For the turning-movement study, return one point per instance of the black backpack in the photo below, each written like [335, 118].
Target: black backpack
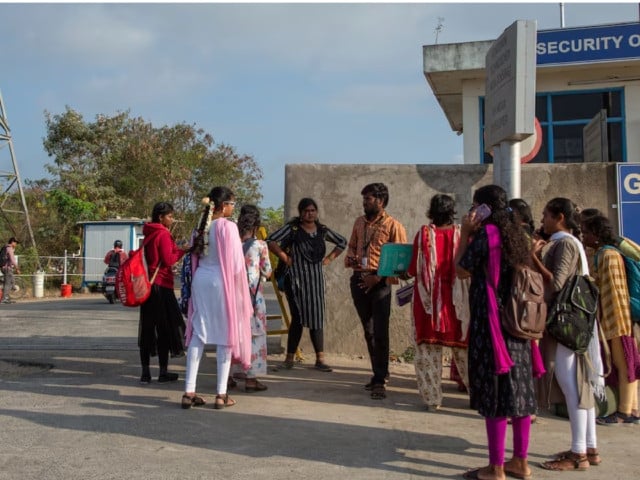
[571, 318]
[114, 260]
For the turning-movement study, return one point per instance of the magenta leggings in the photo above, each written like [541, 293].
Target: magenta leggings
[497, 434]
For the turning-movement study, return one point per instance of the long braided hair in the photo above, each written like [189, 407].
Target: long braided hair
[214, 200]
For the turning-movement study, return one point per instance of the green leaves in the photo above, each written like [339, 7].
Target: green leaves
[119, 166]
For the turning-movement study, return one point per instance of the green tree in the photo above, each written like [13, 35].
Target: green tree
[273, 218]
[121, 166]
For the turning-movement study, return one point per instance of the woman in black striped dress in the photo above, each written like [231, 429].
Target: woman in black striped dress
[300, 243]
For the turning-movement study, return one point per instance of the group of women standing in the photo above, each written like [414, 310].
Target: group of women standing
[226, 306]
[226, 309]
[508, 376]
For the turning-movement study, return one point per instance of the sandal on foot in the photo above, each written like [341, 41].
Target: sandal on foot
[616, 418]
[369, 385]
[223, 401]
[475, 473]
[323, 367]
[592, 456]
[567, 461]
[511, 470]
[378, 392]
[189, 401]
[287, 364]
[254, 385]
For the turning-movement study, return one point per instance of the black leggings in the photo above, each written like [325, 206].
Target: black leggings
[163, 356]
[295, 334]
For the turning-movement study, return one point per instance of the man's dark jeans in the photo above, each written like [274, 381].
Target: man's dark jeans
[374, 309]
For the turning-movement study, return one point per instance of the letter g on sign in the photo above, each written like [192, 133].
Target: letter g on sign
[632, 183]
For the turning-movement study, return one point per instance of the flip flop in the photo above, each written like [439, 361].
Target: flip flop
[472, 474]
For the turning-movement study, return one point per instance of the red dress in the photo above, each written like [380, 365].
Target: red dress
[444, 328]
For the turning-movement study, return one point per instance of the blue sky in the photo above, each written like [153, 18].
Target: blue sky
[286, 83]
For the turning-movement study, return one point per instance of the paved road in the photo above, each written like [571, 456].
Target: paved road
[87, 417]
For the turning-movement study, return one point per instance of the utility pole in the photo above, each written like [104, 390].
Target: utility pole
[13, 209]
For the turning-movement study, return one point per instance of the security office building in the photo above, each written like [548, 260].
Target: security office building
[586, 76]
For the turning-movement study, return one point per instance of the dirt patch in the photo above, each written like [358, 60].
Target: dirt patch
[18, 368]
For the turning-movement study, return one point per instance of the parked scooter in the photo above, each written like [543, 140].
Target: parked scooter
[109, 284]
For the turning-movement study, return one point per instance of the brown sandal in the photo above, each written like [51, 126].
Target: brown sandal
[567, 461]
[223, 401]
[194, 400]
[592, 455]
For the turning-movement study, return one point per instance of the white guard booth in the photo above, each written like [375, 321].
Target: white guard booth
[97, 240]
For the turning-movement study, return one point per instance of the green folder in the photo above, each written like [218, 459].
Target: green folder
[394, 259]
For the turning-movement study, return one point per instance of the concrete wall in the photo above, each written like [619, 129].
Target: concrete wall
[337, 188]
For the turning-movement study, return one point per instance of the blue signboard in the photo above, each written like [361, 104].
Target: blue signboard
[629, 200]
[588, 44]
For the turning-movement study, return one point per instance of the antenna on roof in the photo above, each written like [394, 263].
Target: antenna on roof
[561, 15]
[439, 27]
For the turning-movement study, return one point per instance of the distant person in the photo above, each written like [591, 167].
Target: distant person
[304, 239]
[161, 330]
[9, 267]
[437, 320]
[371, 293]
[220, 307]
[116, 256]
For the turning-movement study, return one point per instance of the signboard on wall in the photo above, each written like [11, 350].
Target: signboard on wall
[588, 44]
[629, 200]
[511, 85]
[595, 144]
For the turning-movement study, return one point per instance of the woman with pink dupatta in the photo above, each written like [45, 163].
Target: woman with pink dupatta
[220, 306]
[500, 366]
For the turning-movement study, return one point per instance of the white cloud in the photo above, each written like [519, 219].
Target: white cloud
[91, 34]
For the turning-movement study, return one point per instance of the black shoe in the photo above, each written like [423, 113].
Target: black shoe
[168, 377]
[145, 379]
[323, 367]
[7, 301]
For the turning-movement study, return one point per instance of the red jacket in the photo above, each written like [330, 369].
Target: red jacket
[161, 249]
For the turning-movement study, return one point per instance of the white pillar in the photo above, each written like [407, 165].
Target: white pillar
[510, 168]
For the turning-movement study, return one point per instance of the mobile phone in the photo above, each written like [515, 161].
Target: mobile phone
[481, 212]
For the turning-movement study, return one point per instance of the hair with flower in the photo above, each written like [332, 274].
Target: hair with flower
[216, 198]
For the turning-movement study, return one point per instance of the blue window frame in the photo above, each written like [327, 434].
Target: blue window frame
[563, 115]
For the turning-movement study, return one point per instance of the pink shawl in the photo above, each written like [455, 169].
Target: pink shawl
[236, 291]
[502, 358]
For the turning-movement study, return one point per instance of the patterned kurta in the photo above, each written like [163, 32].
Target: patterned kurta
[511, 394]
[429, 337]
[258, 265]
[615, 315]
[446, 329]
[305, 283]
